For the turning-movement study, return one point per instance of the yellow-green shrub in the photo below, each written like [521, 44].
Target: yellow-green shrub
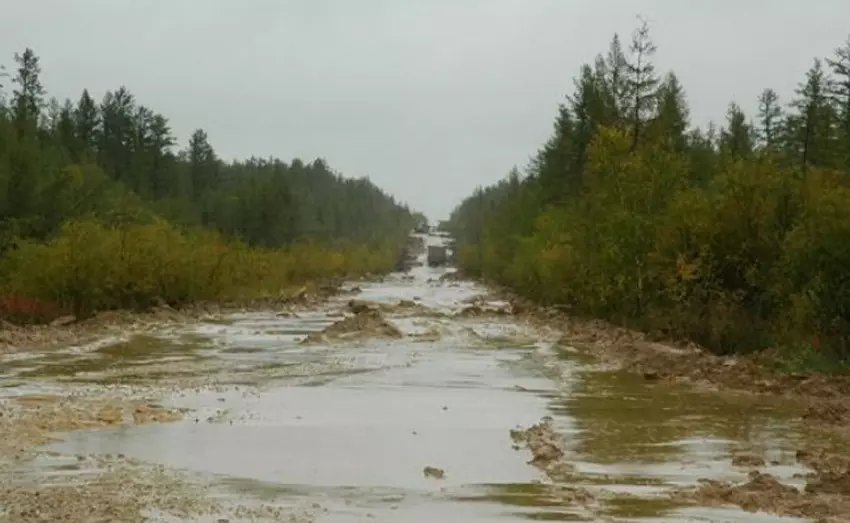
[89, 266]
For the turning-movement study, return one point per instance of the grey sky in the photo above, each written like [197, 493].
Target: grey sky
[429, 98]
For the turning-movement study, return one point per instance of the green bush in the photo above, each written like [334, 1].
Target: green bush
[89, 266]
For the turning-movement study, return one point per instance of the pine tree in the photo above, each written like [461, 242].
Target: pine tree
[617, 69]
[769, 118]
[840, 93]
[115, 149]
[203, 166]
[641, 80]
[28, 96]
[810, 129]
[87, 122]
[66, 132]
[671, 120]
[553, 174]
[736, 139]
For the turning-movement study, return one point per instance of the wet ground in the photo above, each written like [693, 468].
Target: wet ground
[374, 426]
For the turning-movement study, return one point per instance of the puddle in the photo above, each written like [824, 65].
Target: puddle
[352, 426]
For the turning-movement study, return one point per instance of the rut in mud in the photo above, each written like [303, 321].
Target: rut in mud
[415, 398]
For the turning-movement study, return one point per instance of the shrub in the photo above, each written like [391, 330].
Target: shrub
[89, 266]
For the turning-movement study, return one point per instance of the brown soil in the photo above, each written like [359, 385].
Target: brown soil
[823, 401]
[546, 446]
[122, 490]
[28, 422]
[763, 493]
[824, 463]
[366, 322]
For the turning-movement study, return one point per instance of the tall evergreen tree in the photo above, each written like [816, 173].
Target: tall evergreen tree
[736, 139]
[617, 81]
[642, 81]
[672, 116]
[28, 96]
[840, 92]
[769, 118]
[87, 122]
[810, 128]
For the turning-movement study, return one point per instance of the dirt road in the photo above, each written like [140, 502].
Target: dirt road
[412, 403]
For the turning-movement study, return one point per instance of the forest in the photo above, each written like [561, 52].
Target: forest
[100, 210]
[733, 236]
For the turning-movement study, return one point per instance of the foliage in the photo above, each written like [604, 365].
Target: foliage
[89, 266]
[737, 238]
[98, 209]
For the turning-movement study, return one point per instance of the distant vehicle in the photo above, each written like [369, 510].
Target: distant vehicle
[422, 228]
[437, 255]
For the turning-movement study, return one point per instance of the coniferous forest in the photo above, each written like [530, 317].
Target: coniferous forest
[99, 209]
[735, 236]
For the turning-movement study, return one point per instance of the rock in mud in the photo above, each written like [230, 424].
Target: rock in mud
[747, 461]
[434, 473]
[360, 306]
[546, 446]
[472, 311]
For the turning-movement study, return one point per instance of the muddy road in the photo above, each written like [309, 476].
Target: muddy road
[413, 399]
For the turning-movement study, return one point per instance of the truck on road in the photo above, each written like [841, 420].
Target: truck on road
[437, 255]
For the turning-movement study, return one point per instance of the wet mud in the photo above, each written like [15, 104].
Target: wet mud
[420, 396]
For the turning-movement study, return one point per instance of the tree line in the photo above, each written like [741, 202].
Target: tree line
[116, 155]
[736, 236]
[97, 167]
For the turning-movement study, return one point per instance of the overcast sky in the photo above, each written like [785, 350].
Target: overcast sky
[429, 98]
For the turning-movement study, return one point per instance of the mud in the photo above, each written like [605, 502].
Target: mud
[119, 489]
[764, 493]
[546, 447]
[29, 421]
[364, 323]
[748, 461]
[825, 396]
[68, 330]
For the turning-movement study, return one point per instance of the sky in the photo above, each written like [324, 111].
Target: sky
[428, 98]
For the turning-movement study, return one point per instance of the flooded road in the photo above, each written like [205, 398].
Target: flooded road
[411, 422]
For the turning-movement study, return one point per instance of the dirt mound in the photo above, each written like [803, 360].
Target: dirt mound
[368, 322]
[764, 493]
[824, 462]
[365, 323]
[829, 412]
[545, 444]
[830, 483]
